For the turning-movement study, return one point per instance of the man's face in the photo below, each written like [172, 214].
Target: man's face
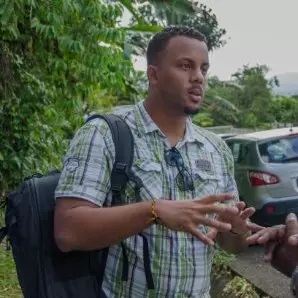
[180, 75]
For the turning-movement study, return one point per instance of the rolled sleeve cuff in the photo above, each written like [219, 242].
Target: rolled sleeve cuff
[87, 193]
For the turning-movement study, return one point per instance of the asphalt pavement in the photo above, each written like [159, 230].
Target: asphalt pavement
[250, 265]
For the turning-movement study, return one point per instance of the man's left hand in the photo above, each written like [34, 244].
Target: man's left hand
[240, 221]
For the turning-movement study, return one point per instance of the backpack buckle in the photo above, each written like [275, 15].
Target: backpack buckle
[120, 168]
[119, 177]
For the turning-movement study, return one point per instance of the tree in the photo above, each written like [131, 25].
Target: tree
[176, 12]
[253, 95]
[58, 60]
[284, 110]
[217, 102]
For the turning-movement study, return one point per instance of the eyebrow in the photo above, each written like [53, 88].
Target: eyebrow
[205, 64]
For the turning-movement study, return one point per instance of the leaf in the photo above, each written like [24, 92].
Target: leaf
[144, 28]
[128, 5]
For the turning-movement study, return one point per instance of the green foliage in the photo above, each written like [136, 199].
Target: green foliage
[254, 96]
[285, 109]
[247, 101]
[221, 263]
[204, 119]
[58, 60]
[224, 111]
[239, 287]
[176, 12]
[9, 286]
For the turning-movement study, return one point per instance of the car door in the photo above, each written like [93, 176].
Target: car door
[240, 153]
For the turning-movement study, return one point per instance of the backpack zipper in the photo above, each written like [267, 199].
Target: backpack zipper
[31, 186]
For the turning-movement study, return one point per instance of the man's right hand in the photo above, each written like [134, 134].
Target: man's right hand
[189, 214]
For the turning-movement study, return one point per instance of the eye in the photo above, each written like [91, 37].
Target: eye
[186, 66]
[204, 70]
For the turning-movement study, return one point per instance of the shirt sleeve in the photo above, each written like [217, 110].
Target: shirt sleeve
[87, 165]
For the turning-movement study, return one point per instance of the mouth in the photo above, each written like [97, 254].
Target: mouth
[196, 94]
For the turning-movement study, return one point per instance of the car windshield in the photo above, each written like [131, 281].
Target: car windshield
[280, 150]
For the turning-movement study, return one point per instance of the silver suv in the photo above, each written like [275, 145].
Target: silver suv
[266, 172]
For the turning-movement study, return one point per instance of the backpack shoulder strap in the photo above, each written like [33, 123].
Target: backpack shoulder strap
[121, 173]
[124, 153]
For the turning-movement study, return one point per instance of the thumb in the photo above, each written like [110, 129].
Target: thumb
[293, 240]
[291, 226]
[269, 249]
[212, 233]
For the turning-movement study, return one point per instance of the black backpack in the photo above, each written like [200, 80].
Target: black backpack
[43, 270]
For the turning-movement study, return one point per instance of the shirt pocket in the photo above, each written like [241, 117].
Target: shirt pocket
[150, 172]
[205, 183]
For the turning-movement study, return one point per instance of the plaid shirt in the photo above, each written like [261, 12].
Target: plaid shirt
[180, 264]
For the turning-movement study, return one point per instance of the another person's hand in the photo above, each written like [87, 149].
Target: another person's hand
[189, 214]
[281, 244]
[285, 255]
[270, 237]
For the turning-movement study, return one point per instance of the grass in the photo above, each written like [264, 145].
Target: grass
[9, 285]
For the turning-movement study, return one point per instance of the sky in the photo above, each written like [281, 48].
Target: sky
[258, 32]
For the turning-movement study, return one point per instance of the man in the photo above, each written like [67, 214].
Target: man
[281, 243]
[189, 195]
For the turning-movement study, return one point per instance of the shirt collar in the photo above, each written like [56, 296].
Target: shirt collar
[192, 134]
[146, 125]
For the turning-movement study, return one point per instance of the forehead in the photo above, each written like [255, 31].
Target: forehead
[186, 47]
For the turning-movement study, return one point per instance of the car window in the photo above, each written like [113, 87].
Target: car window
[239, 151]
[279, 150]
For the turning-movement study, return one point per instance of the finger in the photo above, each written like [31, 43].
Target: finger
[269, 235]
[263, 236]
[198, 234]
[281, 233]
[214, 223]
[253, 239]
[240, 205]
[291, 225]
[269, 249]
[293, 240]
[216, 199]
[212, 233]
[248, 212]
[220, 209]
[254, 227]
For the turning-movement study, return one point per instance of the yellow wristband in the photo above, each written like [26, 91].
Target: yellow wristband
[154, 216]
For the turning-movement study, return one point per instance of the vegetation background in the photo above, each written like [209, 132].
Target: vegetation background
[62, 59]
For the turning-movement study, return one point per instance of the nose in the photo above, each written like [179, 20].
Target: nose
[197, 76]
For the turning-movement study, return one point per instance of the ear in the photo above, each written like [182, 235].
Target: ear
[152, 75]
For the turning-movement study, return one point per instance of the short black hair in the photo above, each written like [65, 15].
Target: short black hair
[160, 40]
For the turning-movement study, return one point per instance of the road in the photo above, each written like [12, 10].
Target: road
[250, 264]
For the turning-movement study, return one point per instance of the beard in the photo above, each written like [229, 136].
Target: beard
[174, 104]
[191, 112]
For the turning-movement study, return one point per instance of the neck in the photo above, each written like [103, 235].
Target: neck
[171, 124]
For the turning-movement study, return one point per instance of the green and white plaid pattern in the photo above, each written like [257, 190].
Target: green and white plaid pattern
[181, 264]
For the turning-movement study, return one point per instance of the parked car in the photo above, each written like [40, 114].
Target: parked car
[224, 136]
[266, 172]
